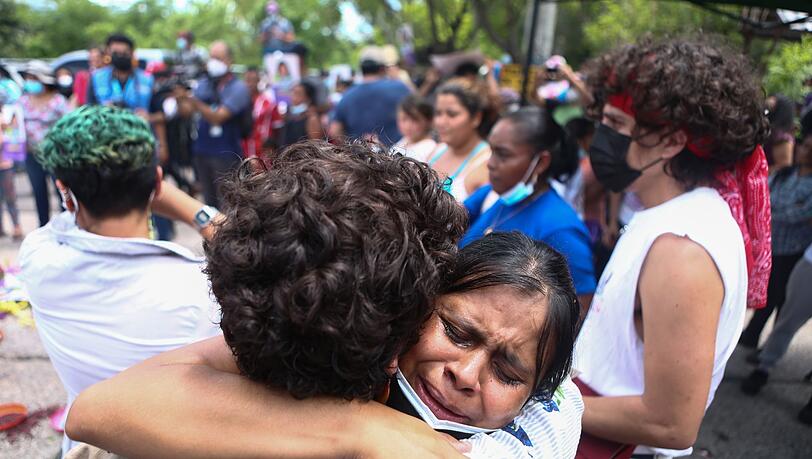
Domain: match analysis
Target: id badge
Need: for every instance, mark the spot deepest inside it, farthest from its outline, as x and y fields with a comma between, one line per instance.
x=216, y=131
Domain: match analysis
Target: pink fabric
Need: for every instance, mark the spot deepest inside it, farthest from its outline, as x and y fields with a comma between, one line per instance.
x=266, y=119
x=748, y=195
x=80, y=84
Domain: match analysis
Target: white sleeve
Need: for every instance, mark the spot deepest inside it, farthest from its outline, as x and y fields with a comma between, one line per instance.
x=549, y=429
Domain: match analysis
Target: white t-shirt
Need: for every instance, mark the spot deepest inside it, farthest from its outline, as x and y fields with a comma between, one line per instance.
x=543, y=430
x=608, y=352
x=103, y=304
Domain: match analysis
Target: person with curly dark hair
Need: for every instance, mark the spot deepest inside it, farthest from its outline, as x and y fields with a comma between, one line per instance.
x=326, y=265
x=491, y=366
x=682, y=124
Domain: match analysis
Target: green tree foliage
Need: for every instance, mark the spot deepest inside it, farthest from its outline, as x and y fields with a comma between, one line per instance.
x=53, y=32
x=788, y=68
x=442, y=26
x=59, y=26
x=625, y=21
x=11, y=27
x=584, y=28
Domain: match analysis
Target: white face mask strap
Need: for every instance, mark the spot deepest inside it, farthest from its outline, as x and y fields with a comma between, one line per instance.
x=532, y=168
x=68, y=196
x=429, y=417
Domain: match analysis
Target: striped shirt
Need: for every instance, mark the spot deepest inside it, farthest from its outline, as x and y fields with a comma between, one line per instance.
x=548, y=429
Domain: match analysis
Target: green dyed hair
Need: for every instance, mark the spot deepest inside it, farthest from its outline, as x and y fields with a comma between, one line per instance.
x=98, y=136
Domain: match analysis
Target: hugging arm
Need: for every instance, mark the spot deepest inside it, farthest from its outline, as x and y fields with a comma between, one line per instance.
x=192, y=403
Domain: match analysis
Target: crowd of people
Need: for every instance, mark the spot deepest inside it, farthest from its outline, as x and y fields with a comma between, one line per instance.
x=514, y=277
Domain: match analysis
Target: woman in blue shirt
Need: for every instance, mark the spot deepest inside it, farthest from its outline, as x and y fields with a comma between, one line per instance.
x=529, y=148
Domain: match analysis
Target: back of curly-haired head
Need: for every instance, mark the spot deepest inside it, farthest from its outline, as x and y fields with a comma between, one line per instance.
x=326, y=265
x=697, y=85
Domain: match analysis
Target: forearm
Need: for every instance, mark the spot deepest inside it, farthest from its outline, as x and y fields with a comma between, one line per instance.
x=217, y=117
x=629, y=420
x=336, y=130
x=174, y=204
x=583, y=92
x=193, y=411
x=579, y=86
x=493, y=91
x=314, y=130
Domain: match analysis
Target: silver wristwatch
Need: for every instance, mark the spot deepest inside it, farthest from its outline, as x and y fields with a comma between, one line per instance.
x=204, y=216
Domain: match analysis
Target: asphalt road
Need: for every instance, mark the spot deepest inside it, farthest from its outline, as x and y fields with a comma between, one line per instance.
x=736, y=426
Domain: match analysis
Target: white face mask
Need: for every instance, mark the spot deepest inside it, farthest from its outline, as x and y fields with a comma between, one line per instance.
x=216, y=68
x=170, y=107
x=64, y=81
x=429, y=417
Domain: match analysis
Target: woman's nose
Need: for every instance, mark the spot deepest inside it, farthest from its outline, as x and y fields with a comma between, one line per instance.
x=492, y=163
x=465, y=372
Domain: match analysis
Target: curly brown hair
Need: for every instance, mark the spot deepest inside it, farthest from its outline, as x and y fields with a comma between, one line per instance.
x=697, y=85
x=326, y=265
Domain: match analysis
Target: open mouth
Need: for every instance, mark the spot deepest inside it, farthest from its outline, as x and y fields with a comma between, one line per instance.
x=432, y=398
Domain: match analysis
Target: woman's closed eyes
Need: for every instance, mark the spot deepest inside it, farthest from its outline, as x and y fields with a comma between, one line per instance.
x=465, y=340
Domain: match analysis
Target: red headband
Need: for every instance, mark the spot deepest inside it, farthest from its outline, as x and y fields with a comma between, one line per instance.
x=702, y=147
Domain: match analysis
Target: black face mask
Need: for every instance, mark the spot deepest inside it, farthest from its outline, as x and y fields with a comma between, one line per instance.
x=66, y=91
x=607, y=153
x=122, y=62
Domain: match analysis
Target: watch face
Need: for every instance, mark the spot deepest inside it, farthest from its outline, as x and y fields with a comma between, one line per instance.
x=202, y=217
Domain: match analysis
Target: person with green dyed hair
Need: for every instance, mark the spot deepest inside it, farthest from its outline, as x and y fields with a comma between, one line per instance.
x=104, y=293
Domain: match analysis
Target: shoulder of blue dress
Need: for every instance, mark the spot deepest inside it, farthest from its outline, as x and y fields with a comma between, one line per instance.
x=483, y=190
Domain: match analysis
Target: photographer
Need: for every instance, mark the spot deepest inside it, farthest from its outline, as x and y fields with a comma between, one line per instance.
x=222, y=101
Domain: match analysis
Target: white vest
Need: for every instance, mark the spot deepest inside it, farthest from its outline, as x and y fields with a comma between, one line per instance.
x=608, y=352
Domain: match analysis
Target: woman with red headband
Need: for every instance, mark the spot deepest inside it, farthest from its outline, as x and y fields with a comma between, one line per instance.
x=681, y=127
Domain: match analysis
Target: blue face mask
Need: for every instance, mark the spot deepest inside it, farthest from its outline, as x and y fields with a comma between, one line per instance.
x=33, y=87
x=181, y=43
x=523, y=189
x=298, y=109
